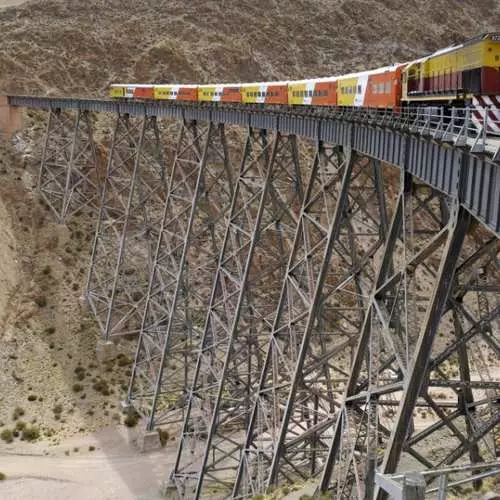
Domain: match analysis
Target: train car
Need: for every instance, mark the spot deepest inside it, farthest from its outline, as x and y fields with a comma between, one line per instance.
x=219, y=93
x=264, y=93
x=144, y=92
x=315, y=92
x=457, y=73
x=378, y=88
x=176, y=92
x=122, y=90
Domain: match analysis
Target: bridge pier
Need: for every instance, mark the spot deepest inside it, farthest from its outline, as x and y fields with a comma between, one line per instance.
x=10, y=118
x=199, y=195
x=69, y=175
x=132, y=196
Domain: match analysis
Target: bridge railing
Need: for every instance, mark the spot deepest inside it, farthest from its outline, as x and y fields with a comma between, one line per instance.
x=477, y=128
x=415, y=485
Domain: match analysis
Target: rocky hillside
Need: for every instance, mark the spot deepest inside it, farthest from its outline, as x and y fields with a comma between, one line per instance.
x=72, y=47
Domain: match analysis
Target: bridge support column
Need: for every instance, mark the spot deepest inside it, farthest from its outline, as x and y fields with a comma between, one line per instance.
x=322, y=302
x=10, y=118
x=188, y=245
x=263, y=216
x=68, y=179
x=130, y=210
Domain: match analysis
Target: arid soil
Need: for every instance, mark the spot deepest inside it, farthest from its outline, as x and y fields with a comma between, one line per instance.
x=69, y=46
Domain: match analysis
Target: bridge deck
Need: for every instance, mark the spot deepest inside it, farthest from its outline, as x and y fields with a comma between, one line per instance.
x=453, y=160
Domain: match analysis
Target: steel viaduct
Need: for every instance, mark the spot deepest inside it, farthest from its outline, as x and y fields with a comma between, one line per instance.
x=315, y=296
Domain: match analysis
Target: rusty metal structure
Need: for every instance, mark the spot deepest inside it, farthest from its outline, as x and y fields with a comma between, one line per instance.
x=315, y=299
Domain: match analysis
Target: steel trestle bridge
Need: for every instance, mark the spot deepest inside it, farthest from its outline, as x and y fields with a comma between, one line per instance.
x=315, y=295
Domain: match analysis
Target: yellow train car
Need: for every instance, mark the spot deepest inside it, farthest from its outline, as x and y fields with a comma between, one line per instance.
x=264, y=93
x=458, y=72
x=316, y=92
x=176, y=92
x=219, y=93
x=122, y=90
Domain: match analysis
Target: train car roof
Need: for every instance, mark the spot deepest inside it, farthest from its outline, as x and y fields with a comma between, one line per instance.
x=253, y=84
x=375, y=71
x=315, y=80
x=184, y=85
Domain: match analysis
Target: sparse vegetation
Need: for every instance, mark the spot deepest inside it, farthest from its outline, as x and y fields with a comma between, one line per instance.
x=164, y=435
x=20, y=425
x=18, y=412
x=30, y=433
x=3, y=476
x=77, y=387
x=131, y=419
x=102, y=387
x=7, y=436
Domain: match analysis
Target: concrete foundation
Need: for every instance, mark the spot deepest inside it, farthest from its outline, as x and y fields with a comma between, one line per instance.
x=10, y=118
x=148, y=441
x=105, y=350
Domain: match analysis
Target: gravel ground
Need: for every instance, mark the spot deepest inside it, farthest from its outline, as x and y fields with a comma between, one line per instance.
x=115, y=470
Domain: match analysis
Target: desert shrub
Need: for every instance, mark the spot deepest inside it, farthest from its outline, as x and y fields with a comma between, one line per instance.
x=20, y=425
x=77, y=387
x=7, y=436
x=50, y=330
x=18, y=412
x=32, y=397
x=47, y=270
x=3, y=477
x=163, y=433
x=57, y=408
x=131, y=419
x=102, y=387
x=40, y=300
x=91, y=448
x=76, y=450
x=123, y=360
x=30, y=433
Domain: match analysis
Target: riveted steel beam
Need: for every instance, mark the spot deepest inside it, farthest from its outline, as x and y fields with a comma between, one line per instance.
x=130, y=210
x=230, y=358
x=68, y=179
x=198, y=199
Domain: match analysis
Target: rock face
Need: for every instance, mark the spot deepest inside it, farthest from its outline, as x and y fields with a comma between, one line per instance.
x=74, y=47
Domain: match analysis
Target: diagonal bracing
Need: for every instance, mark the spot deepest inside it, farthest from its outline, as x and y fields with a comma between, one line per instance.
x=329, y=271
x=258, y=235
x=401, y=404
x=198, y=199
x=130, y=213
x=68, y=179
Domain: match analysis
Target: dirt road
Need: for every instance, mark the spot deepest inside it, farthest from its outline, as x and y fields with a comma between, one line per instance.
x=113, y=471
x=8, y=3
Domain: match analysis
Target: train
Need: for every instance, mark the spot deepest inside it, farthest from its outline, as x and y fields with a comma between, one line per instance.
x=457, y=76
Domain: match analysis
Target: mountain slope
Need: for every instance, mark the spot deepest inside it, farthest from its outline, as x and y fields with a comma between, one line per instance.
x=73, y=47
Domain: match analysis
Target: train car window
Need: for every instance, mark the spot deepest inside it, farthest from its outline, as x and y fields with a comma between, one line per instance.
x=387, y=87
x=359, y=89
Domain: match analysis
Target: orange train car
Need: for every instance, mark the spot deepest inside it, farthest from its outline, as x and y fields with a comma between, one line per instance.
x=219, y=93
x=317, y=92
x=176, y=92
x=384, y=89
x=264, y=93
x=144, y=92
